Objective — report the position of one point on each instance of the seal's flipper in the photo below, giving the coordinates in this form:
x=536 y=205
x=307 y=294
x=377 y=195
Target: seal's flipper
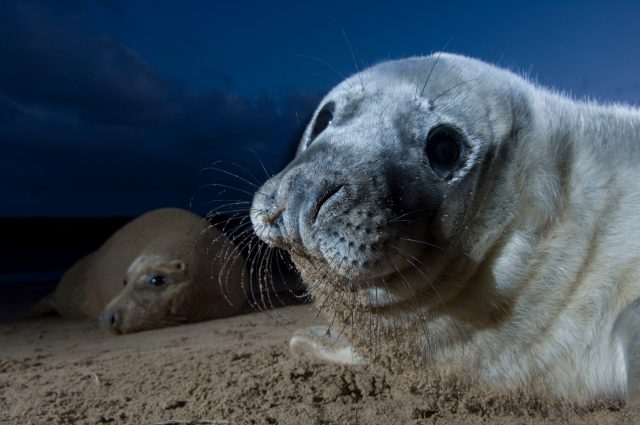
x=43 y=306
x=627 y=330
x=323 y=343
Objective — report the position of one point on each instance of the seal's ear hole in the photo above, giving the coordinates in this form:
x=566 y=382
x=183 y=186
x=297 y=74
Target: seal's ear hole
x=323 y=119
x=444 y=149
x=177 y=265
x=124 y=282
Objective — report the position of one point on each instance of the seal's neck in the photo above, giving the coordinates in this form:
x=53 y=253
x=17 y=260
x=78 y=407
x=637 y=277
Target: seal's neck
x=568 y=168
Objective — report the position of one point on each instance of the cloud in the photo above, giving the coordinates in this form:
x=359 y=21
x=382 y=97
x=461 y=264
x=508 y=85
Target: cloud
x=86 y=117
x=54 y=65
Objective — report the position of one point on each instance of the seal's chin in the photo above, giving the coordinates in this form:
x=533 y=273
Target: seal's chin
x=344 y=278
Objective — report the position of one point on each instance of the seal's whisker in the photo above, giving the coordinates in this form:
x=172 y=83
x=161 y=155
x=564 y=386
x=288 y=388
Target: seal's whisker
x=267 y=174
x=451 y=88
x=272 y=286
x=269 y=281
x=232 y=227
x=247 y=171
x=329 y=294
x=421 y=242
x=343 y=328
x=260 y=276
x=378 y=318
x=234 y=211
x=229 y=173
x=409 y=213
x=430 y=283
x=410 y=259
x=225 y=220
x=414 y=300
x=325 y=63
x=440 y=53
x=388 y=288
x=402 y=221
x=278 y=254
x=221 y=208
x=433 y=65
x=228 y=258
x=254 y=250
x=217 y=167
x=353 y=304
x=239 y=230
x=226 y=186
x=353 y=311
x=228 y=200
x=353 y=56
x=233 y=254
x=370 y=318
x=227 y=216
x=336 y=310
x=223 y=174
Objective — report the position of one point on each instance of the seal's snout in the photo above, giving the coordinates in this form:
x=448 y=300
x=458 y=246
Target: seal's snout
x=111 y=321
x=288 y=211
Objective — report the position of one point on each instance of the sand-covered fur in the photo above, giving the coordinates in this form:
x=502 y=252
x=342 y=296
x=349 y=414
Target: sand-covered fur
x=451 y=214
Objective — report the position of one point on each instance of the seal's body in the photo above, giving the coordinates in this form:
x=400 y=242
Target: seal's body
x=450 y=213
x=162 y=268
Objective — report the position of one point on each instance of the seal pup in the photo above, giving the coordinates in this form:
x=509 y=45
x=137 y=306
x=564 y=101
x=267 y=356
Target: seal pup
x=448 y=213
x=162 y=268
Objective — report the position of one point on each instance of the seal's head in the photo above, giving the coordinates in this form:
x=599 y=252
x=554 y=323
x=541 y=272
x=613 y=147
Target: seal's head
x=388 y=178
x=155 y=294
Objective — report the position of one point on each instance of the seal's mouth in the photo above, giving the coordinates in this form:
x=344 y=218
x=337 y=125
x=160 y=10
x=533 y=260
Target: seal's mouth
x=349 y=278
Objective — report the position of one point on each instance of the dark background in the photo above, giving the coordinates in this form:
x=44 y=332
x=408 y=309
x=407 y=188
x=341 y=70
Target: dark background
x=112 y=108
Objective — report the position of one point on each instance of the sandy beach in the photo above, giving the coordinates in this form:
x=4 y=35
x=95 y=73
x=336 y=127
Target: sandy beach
x=232 y=371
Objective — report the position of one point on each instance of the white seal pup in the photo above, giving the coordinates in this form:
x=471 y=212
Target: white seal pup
x=170 y=262
x=449 y=213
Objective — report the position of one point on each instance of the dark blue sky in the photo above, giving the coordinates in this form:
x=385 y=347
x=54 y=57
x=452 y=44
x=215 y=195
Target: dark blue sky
x=113 y=107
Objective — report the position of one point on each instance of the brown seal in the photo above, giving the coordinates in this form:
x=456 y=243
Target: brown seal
x=162 y=268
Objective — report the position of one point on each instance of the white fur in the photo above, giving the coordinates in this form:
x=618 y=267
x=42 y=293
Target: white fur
x=555 y=243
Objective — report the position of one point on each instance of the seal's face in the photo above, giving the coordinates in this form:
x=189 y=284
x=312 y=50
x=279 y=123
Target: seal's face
x=383 y=181
x=153 y=288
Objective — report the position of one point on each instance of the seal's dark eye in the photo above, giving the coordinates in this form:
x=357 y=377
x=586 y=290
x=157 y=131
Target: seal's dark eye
x=124 y=282
x=157 y=280
x=324 y=118
x=444 y=150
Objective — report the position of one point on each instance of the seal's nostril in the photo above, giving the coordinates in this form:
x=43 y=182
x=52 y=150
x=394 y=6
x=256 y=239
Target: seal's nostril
x=327 y=195
x=270 y=217
x=110 y=320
